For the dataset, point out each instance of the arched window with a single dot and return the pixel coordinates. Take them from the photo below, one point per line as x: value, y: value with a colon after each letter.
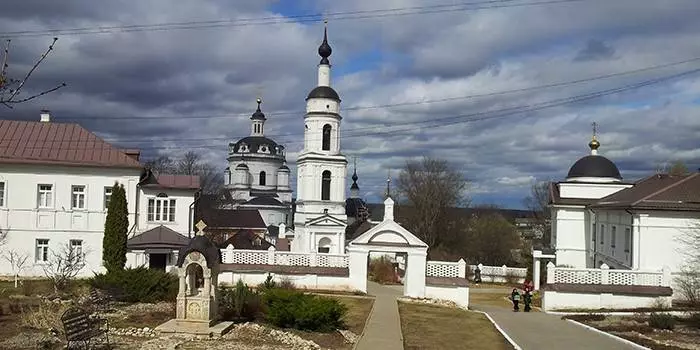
x: 327, y: 137
x: 326, y: 186
x: 262, y: 178
x: 324, y: 245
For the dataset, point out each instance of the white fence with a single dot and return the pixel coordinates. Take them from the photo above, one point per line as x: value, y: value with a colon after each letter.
x: 446, y: 269
x: 604, y: 275
x: 273, y: 257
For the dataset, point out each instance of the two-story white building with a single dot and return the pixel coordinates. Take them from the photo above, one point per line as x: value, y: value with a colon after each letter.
x: 55, y: 185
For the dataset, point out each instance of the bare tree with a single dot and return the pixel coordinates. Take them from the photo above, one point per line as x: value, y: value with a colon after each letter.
x: 10, y: 88
x: 537, y: 202
x: 189, y: 164
x: 689, y: 279
x: 161, y: 165
x: 18, y: 261
x: 63, y: 266
x: 678, y: 168
x: 431, y: 186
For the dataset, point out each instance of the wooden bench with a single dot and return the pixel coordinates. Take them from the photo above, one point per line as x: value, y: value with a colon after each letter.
x: 80, y: 328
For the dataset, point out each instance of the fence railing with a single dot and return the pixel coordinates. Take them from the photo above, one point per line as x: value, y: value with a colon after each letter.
x: 500, y: 271
x: 446, y: 269
x: 273, y: 257
x: 604, y: 275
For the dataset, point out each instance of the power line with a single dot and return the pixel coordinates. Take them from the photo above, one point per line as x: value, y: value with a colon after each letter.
x: 464, y: 118
x: 402, y: 104
x: 301, y: 18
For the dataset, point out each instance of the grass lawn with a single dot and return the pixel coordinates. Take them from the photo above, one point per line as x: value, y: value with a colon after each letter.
x: 434, y: 327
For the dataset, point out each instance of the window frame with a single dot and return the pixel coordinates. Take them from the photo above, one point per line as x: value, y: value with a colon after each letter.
x: 628, y: 239
x: 74, y: 193
x: 326, y: 133
x: 613, y: 237
x: 326, y: 182
x: 72, y: 245
x: 3, y: 194
x: 602, y: 234
x: 106, y: 195
x: 262, y: 178
x: 44, y: 250
x: 49, y: 196
x: 157, y: 210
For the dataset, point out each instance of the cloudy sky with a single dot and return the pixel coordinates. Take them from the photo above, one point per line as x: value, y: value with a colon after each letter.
x: 506, y: 91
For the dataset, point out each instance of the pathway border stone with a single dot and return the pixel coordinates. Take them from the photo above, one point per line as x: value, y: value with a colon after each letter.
x: 631, y: 343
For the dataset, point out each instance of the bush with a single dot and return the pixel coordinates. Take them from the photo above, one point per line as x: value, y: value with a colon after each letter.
x: 137, y: 285
x: 293, y: 309
x: 286, y: 283
x: 239, y: 303
x: 45, y: 316
x: 268, y: 284
x: 693, y: 320
x: 381, y: 270
x: 662, y: 320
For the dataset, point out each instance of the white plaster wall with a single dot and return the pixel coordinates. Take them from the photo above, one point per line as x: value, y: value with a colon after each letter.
x: 306, y: 281
x: 269, y: 165
x: 659, y: 239
x: 589, y: 190
x: 614, y: 253
x: 183, y: 199
x: 556, y: 300
x: 309, y: 176
x: 25, y: 223
x: 459, y: 295
x: 570, y: 235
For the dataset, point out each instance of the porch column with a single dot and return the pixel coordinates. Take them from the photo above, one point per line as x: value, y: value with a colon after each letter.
x: 536, y: 272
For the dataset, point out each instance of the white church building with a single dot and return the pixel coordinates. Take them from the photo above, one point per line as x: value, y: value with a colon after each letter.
x: 598, y: 219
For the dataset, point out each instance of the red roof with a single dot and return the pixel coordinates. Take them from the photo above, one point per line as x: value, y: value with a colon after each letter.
x: 185, y: 182
x: 26, y: 142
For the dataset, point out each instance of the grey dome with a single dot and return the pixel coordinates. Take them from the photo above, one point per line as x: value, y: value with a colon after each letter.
x: 254, y: 143
x: 241, y: 167
x: 594, y: 166
x: 324, y: 92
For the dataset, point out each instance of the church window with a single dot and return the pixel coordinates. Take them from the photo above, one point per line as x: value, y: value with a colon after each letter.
x: 628, y: 239
x: 602, y: 233
x: 614, y: 237
x: 326, y: 186
x: 324, y: 245
x: 262, y: 178
x: 327, y: 137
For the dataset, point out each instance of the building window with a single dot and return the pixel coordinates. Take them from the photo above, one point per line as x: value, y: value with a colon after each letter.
x: 78, y: 197
x: 593, y: 234
x: 45, y: 196
x: 602, y: 233
x: 76, y: 247
x: 2, y: 194
x: 108, y: 196
x: 327, y: 137
x: 161, y: 210
x: 42, y: 250
x: 324, y: 245
x: 263, y: 179
x: 628, y: 239
x: 613, y: 239
x: 326, y: 186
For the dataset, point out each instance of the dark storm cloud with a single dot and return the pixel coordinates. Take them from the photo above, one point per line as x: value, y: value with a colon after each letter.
x: 595, y: 50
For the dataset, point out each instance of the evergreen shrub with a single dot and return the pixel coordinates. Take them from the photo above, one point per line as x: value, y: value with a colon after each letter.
x: 239, y: 303
x: 137, y: 285
x: 288, y: 308
x: 662, y: 320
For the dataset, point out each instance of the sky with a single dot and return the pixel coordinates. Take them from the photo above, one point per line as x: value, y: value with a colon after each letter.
x: 505, y: 91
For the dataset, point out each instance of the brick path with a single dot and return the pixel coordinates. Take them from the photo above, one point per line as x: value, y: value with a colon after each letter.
x: 538, y: 330
x: 383, y: 329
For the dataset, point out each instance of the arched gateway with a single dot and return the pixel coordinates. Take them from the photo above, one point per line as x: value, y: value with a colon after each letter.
x: 388, y: 236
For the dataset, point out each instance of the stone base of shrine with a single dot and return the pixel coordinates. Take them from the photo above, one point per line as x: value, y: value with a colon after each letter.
x: 179, y: 327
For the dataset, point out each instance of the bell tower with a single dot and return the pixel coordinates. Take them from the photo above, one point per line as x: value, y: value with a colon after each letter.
x: 321, y: 168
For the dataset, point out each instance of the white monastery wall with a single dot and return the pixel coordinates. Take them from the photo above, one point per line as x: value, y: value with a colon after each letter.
x: 552, y: 301
x: 659, y: 239
x: 589, y: 190
x: 571, y: 237
x: 460, y: 295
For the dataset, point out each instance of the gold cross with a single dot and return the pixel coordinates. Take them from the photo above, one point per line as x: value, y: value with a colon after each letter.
x: 200, y: 227
x: 595, y: 129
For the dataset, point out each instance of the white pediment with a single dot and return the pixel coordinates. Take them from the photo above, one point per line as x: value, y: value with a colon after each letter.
x: 389, y: 233
x: 326, y: 220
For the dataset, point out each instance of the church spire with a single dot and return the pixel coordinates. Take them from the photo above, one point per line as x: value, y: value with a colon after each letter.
x: 258, y: 119
x: 325, y: 50
x: 354, y: 189
x: 594, y: 144
x: 388, y: 184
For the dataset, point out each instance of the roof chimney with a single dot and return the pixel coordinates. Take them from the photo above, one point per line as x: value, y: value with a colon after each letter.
x: 45, y: 116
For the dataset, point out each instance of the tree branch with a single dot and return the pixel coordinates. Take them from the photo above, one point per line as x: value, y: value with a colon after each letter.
x: 36, y: 65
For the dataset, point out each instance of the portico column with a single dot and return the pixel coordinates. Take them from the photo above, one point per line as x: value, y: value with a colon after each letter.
x: 207, y: 282
x: 182, y: 285
x: 536, y: 273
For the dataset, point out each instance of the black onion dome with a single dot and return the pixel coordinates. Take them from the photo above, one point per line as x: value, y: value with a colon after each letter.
x: 325, y: 50
x: 255, y: 142
x: 594, y: 166
x: 323, y: 92
x: 354, y: 181
x: 258, y: 115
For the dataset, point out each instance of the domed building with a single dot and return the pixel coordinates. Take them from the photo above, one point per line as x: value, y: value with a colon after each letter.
x: 257, y: 176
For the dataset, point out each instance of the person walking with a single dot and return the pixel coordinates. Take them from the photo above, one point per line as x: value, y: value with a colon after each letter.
x: 515, y: 297
x: 527, y: 299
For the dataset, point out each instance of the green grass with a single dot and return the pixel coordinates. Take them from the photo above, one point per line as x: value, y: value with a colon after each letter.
x: 429, y: 327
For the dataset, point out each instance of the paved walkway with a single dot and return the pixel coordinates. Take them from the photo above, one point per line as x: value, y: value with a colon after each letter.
x: 383, y: 330
x: 538, y: 330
